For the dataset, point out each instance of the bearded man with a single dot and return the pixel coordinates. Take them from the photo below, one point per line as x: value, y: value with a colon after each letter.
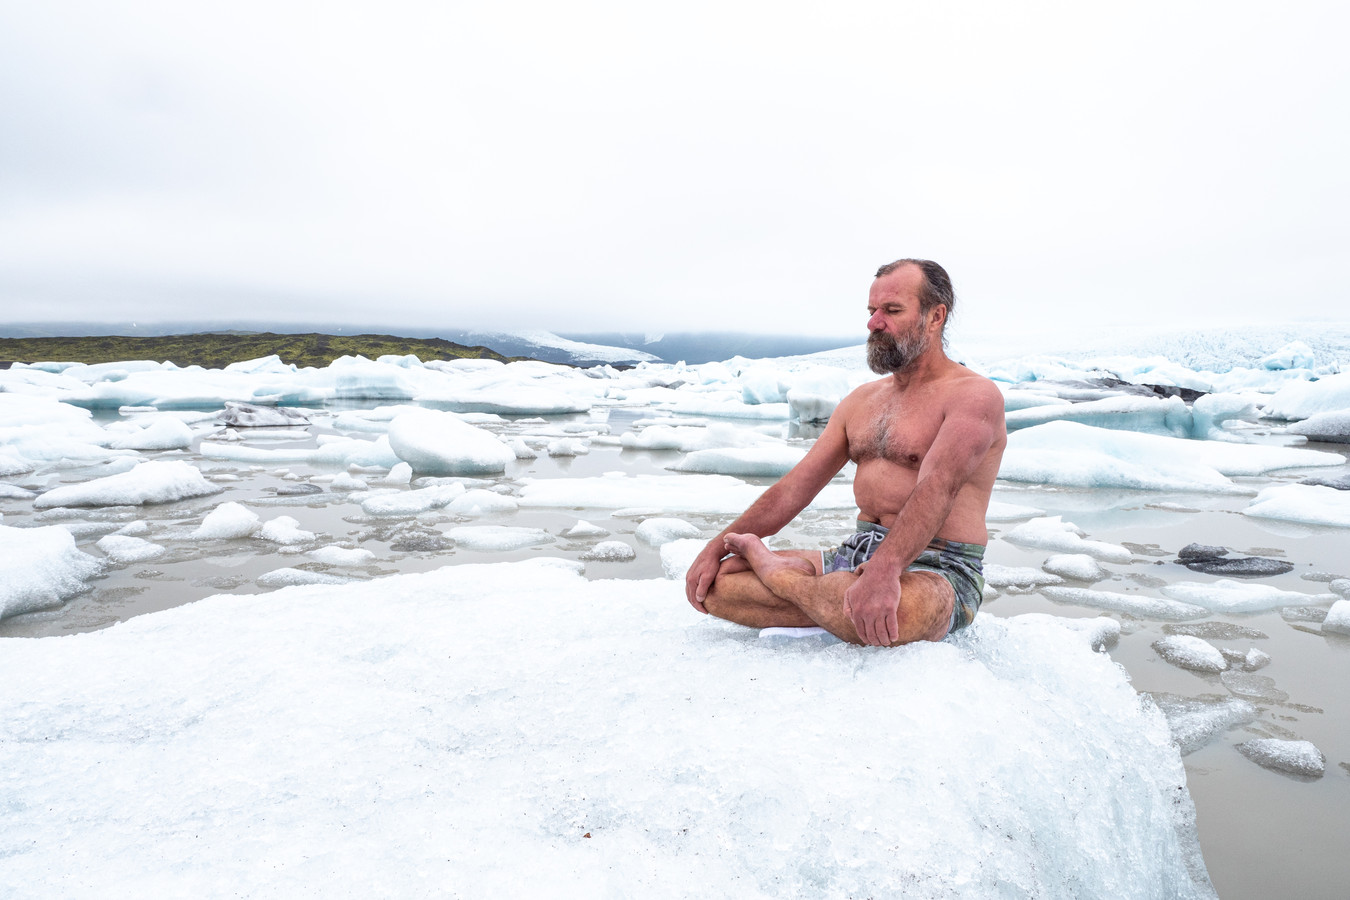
x: 927, y: 440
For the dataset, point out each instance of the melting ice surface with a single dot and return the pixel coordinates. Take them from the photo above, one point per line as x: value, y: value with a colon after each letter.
x: 485, y: 668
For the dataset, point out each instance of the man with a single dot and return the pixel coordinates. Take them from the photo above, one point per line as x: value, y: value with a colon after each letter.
x: 927, y: 440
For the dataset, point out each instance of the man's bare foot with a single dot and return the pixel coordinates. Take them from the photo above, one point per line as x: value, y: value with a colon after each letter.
x: 769, y: 566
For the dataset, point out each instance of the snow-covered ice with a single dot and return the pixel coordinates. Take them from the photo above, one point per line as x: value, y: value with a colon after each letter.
x: 1226, y: 595
x: 1053, y: 533
x: 1312, y: 504
x: 438, y: 443
x: 157, y: 481
x: 40, y: 568
x: 653, y: 730
x: 123, y: 548
x: 227, y: 521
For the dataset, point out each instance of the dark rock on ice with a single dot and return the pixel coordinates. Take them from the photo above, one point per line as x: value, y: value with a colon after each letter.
x: 1215, y: 561
x: 1200, y: 551
x: 287, y: 490
x: 1340, y: 484
x: 1291, y: 757
x: 1243, y: 567
x: 246, y: 415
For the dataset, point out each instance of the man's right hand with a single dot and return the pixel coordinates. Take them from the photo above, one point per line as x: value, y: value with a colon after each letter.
x: 698, y: 581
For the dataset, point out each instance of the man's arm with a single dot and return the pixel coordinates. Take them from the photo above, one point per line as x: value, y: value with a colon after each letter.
x: 969, y: 428
x: 778, y: 505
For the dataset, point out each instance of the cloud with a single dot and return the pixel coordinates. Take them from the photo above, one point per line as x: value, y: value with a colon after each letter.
x: 708, y: 166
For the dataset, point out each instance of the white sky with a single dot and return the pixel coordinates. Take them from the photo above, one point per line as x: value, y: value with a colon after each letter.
x: 692, y: 166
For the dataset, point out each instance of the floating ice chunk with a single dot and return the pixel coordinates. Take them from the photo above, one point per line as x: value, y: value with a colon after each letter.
x: 1017, y: 576
x: 763, y: 385
x: 815, y: 393
x: 479, y: 502
x: 121, y: 548
x: 1304, y: 399
x: 346, y: 481
x: 40, y: 568
x: 523, y: 450
x: 1053, y: 533
x: 1256, y: 688
x: 1077, y: 455
x: 159, y: 433
x: 1210, y: 412
x: 1186, y: 652
x: 1015, y: 398
x: 1313, y: 504
x: 1195, y: 721
x: 288, y: 577
x: 159, y: 481
x: 247, y: 415
x: 497, y: 537
x: 140, y: 526
x: 1078, y: 566
x: 1010, y: 512
x: 1294, y: 355
x: 342, y: 556
x: 271, y: 365
x: 584, y: 529
x: 14, y: 492
x: 284, y: 530
x: 1154, y: 415
x: 1249, y: 660
x: 659, y: 530
x: 1130, y: 604
x: 678, y: 556
x: 610, y: 551
x: 399, y: 474
x: 227, y: 521
x: 1333, y: 427
x: 1230, y: 596
x: 1338, y: 619
x: 1291, y: 757
x: 436, y: 443
x: 568, y: 447
x: 410, y: 503
x: 1100, y: 632
x: 516, y: 400
x: 663, y: 493
x: 762, y: 462
x: 1340, y: 587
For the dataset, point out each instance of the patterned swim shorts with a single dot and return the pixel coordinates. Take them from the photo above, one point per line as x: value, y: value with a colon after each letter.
x: 961, y: 564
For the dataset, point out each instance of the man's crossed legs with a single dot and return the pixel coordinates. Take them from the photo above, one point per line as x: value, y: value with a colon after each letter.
x: 762, y: 588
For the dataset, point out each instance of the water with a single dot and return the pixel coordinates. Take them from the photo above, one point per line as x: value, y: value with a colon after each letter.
x: 1263, y: 833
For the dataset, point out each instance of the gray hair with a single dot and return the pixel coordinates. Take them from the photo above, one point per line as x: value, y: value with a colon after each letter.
x: 936, y: 290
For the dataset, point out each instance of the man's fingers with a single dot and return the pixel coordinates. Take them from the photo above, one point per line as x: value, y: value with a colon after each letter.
x: 892, y: 627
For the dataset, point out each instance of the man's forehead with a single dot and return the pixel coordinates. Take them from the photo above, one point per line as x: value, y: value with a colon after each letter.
x: 903, y: 282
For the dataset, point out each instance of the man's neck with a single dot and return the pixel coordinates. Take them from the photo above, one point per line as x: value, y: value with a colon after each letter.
x: 926, y: 368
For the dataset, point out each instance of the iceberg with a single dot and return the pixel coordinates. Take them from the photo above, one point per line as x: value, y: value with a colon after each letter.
x: 40, y: 568
x: 437, y: 443
x: 621, y: 701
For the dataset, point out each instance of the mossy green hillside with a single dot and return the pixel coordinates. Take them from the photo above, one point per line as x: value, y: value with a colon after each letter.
x: 218, y: 349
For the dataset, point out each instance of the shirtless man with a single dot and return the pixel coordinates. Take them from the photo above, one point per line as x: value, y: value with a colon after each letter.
x: 927, y: 441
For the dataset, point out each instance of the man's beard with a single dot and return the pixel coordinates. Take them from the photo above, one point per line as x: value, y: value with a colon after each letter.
x: 887, y: 354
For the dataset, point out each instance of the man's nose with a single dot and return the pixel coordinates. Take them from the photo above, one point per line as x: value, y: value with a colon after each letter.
x: 876, y: 322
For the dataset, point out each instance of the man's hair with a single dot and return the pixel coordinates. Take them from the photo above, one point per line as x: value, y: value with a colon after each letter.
x: 936, y: 290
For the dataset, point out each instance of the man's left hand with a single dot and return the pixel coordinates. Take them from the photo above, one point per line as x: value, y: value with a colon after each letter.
x: 872, y: 603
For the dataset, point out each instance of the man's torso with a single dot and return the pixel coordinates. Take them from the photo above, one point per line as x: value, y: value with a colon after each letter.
x: 890, y: 432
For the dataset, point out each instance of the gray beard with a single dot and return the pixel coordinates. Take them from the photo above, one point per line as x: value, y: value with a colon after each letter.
x: 887, y: 355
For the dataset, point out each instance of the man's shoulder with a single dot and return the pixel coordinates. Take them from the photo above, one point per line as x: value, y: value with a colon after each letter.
x: 968, y: 386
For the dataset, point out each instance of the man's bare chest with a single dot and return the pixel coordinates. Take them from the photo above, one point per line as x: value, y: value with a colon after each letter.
x: 897, y: 431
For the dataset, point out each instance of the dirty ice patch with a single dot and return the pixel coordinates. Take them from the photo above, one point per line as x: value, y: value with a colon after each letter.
x: 621, y: 700
x: 710, y: 494
x: 40, y: 568
x: 1228, y: 596
x: 159, y: 481
x: 1071, y: 454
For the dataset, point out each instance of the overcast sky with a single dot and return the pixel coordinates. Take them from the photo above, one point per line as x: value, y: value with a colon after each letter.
x: 670, y: 167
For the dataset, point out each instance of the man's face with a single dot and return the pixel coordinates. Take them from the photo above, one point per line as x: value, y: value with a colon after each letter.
x: 898, y: 327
